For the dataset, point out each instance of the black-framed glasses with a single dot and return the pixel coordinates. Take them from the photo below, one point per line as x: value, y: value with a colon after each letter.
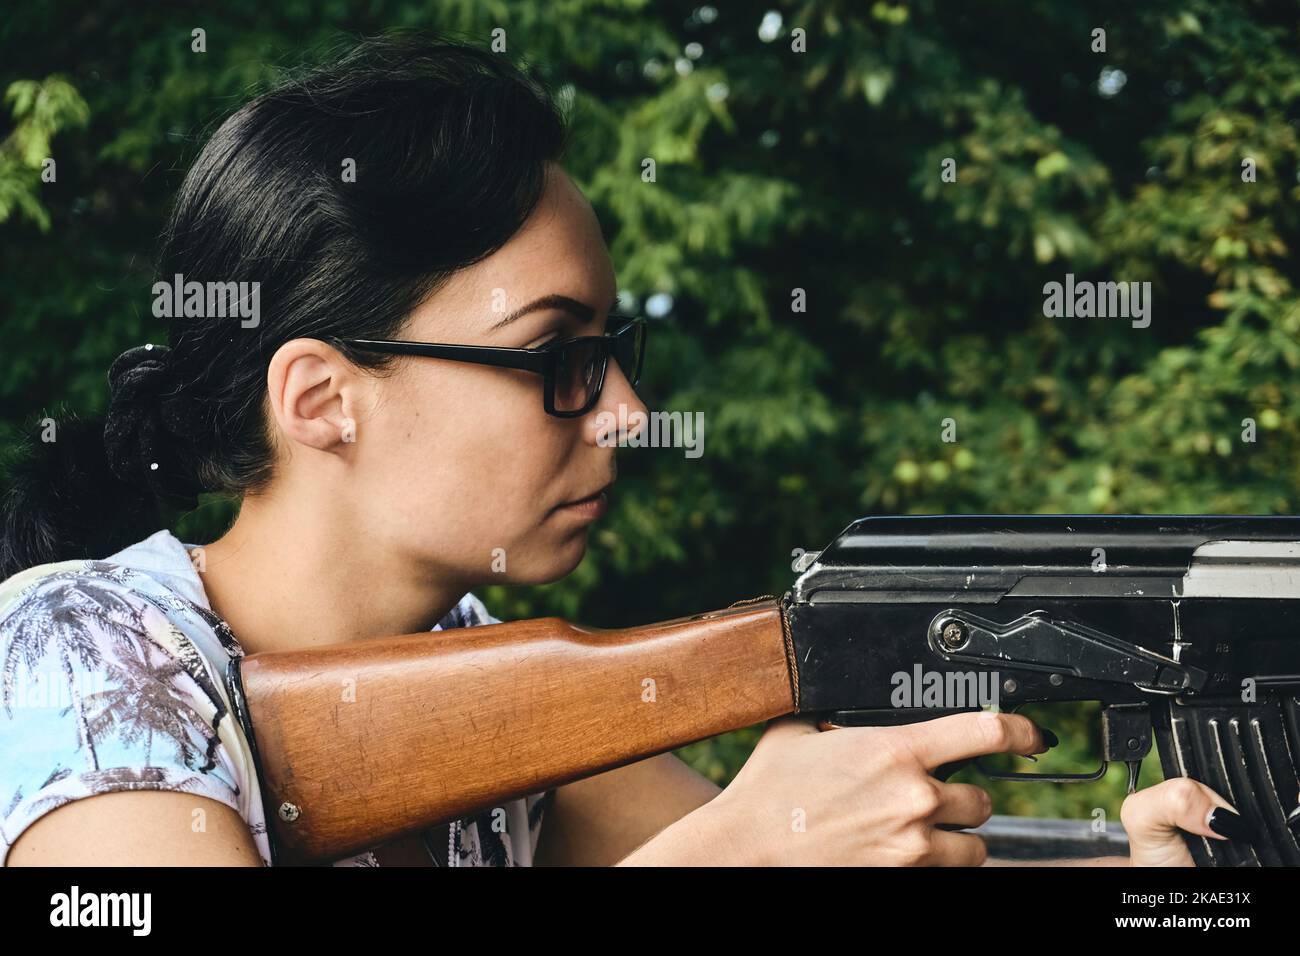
x: 572, y: 370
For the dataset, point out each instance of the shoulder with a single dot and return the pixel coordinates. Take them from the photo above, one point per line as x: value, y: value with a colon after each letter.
x: 93, y: 616
x: 73, y: 614
x: 105, y: 687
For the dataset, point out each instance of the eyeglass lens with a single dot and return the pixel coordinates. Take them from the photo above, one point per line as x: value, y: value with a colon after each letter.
x: 580, y: 363
x: 577, y: 371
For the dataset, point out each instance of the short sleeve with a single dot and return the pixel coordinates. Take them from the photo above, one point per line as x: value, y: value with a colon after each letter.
x: 102, y: 692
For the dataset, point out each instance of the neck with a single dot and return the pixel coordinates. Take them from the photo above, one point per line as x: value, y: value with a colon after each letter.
x: 291, y: 573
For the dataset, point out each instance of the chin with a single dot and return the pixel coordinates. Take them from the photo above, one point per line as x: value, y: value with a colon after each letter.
x: 550, y: 565
x: 567, y: 557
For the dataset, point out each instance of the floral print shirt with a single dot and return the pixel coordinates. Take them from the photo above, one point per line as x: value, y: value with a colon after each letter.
x: 113, y: 677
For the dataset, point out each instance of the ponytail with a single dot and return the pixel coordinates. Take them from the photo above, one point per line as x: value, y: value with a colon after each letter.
x: 91, y: 487
x: 62, y: 501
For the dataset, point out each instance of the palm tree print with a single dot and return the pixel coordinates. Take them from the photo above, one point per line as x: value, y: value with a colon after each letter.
x: 219, y: 627
x: 121, y: 778
x: 64, y: 612
x: 100, y: 618
x: 181, y: 649
x: 62, y: 615
x: 490, y: 843
x: 141, y: 778
x: 141, y: 706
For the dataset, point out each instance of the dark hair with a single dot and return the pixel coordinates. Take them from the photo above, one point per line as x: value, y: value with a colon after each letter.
x: 450, y: 144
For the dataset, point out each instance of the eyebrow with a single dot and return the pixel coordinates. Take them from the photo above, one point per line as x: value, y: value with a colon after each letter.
x: 579, y: 310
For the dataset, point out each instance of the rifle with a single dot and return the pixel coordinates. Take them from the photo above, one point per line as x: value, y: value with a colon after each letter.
x: 1184, y: 628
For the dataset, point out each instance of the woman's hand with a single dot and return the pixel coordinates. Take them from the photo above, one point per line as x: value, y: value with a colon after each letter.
x: 859, y: 795
x: 1153, y: 817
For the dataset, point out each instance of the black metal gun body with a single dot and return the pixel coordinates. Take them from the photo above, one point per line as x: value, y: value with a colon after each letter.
x: 1185, y: 628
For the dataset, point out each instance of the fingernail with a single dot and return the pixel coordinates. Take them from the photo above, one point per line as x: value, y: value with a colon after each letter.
x: 1228, y: 823
x: 1049, y: 738
x: 1293, y: 822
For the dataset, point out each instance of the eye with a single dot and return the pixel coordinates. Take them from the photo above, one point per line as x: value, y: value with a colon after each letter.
x: 558, y: 331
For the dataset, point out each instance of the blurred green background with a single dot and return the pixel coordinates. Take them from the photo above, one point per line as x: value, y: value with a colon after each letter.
x: 779, y: 170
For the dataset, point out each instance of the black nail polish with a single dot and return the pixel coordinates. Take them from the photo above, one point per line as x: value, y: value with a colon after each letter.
x: 1049, y: 738
x: 1229, y: 824
x: 1293, y: 822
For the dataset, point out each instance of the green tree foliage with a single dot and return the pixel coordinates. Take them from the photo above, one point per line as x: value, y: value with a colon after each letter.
x: 834, y: 300
x: 38, y: 110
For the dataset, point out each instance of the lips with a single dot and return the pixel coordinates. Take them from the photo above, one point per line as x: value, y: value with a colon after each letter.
x: 592, y: 498
x: 590, y: 508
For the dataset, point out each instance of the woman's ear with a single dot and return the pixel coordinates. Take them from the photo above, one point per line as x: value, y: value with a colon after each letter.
x: 316, y: 394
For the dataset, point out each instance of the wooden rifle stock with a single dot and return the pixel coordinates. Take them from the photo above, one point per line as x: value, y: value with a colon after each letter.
x: 374, y: 739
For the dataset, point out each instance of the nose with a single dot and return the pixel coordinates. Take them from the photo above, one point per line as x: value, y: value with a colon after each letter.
x: 619, y: 414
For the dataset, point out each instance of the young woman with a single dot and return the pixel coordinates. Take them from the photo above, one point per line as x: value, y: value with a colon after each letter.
x: 376, y: 488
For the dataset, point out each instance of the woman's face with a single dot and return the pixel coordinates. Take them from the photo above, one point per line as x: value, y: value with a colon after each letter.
x: 457, y: 466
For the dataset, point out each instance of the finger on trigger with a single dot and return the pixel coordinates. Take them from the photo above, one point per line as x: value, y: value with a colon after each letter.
x: 962, y: 736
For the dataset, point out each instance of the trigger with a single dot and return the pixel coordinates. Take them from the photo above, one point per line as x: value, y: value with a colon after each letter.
x: 1133, y: 767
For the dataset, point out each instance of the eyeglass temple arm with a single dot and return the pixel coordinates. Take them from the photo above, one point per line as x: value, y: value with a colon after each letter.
x: 527, y: 359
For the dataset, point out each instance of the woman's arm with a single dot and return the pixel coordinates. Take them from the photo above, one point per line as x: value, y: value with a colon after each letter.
x: 660, y: 812
x: 857, y: 795
x: 600, y: 820
x: 137, y: 828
